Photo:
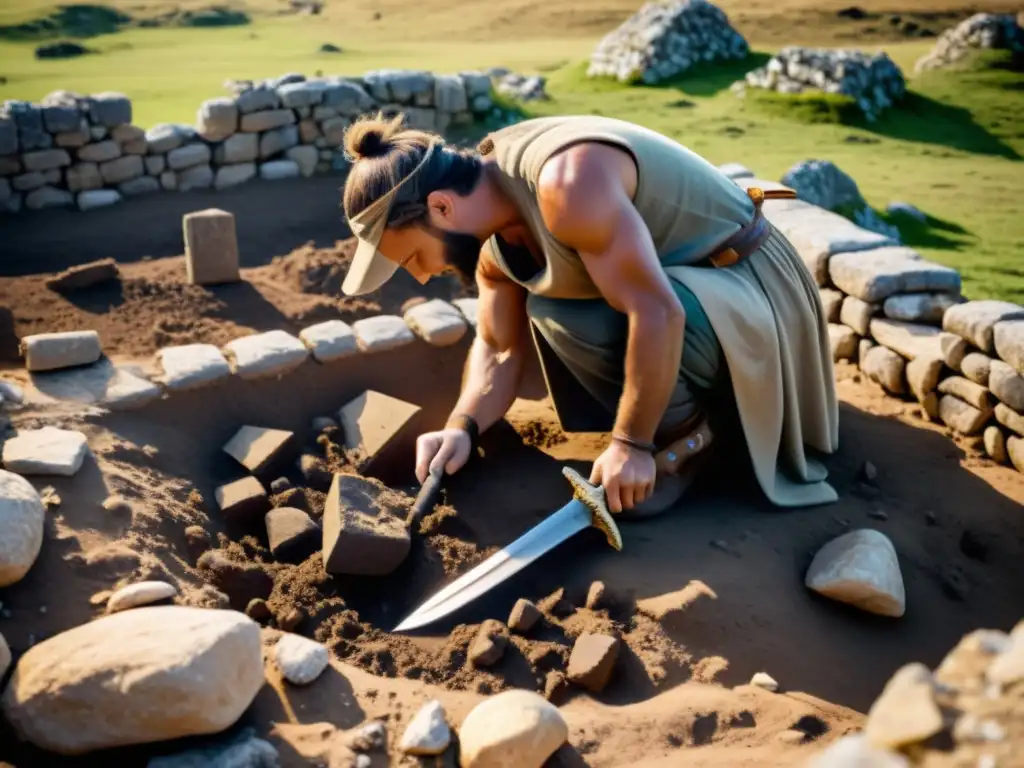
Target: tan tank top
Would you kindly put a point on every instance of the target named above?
(689, 206)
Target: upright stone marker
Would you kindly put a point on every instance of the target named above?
(211, 247)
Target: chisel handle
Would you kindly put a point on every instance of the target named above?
(429, 493)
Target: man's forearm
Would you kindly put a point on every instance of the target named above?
(490, 383)
(653, 354)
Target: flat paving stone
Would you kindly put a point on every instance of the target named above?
(266, 354)
(192, 366)
(382, 332)
(877, 274)
(45, 451)
(329, 341)
(102, 383)
(261, 450)
(373, 421)
(437, 322)
(242, 501)
(53, 351)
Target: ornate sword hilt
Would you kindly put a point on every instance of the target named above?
(593, 497)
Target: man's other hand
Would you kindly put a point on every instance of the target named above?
(627, 475)
(448, 448)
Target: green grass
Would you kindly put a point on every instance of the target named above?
(952, 149)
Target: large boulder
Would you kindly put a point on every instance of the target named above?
(136, 677)
(21, 527)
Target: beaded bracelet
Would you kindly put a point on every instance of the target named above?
(640, 445)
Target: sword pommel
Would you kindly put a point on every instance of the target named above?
(592, 496)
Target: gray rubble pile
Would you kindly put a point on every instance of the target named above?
(874, 81)
(982, 30)
(518, 87)
(83, 150)
(661, 41)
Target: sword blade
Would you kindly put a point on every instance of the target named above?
(542, 538)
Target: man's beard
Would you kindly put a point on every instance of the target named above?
(462, 254)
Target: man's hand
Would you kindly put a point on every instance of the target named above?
(448, 448)
(627, 475)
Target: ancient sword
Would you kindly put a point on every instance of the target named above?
(587, 508)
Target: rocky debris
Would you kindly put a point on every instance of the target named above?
(381, 333)
(489, 644)
(292, 534)
(45, 451)
(437, 322)
(362, 532)
(556, 687)
(140, 593)
(961, 417)
(995, 444)
(906, 711)
(523, 617)
(765, 681)
(843, 342)
(975, 321)
(272, 353)
(242, 501)
(373, 422)
(913, 340)
(84, 276)
(1006, 384)
(22, 515)
(886, 368)
(197, 541)
(592, 661)
(597, 596)
(662, 607)
(242, 750)
(53, 351)
(192, 366)
(659, 42)
(428, 732)
(241, 582)
(521, 87)
(181, 672)
(263, 451)
(514, 727)
(300, 659)
(860, 568)
(982, 30)
(211, 246)
(873, 81)
(329, 341)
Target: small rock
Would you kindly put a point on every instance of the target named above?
(140, 593)
(368, 737)
(661, 607)
(489, 644)
(320, 423)
(280, 485)
(50, 498)
(241, 582)
(523, 617)
(243, 750)
(595, 596)
(878, 514)
(1007, 668)
(117, 505)
(300, 659)
(45, 451)
(976, 367)
(792, 736)
(11, 392)
(860, 568)
(197, 541)
(290, 619)
(84, 276)
(262, 451)
(869, 472)
(592, 661)
(556, 687)
(995, 444)
(243, 501)
(906, 712)
(764, 680)
(856, 752)
(514, 727)
(362, 534)
(372, 422)
(258, 610)
(428, 732)
(971, 728)
(292, 534)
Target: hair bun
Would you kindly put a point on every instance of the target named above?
(371, 136)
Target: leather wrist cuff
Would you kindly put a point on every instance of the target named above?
(468, 423)
(640, 445)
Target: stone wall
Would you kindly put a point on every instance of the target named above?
(903, 321)
(982, 30)
(661, 41)
(873, 81)
(84, 151)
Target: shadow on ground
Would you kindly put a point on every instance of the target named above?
(707, 79)
(930, 233)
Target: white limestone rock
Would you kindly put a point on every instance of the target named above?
(875, 275)
(831, 303)
(428, 732)
(1009, 418)
(886, 368)
(188, 156)
(855, 751)
(280, 169)
(22, 514)
(102, 383)
(915, 339)
(98, 198)
(240, 148)
(45, 451)
(300, 659)
(191, 366)
(976, 367)
(180, 671)
(923, 376)
(266, 354)
(906, 712)
(962, 417)
(233, 175)
(306, 157)
(139, 594)
(919, 307)
(437, 322)
(995, 444)
(765, 681)
(382, 332)
(975, 321)
(330, 340)
(11, 392)
(968, 391)
(843, 342)
(217, 119)
(515, 727)
(240, 750)
(860, 568)
(1006, 384)
(196, 177)
(857, 314)
(1008, 336)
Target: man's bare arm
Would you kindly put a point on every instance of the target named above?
(495, 363)
(585, 196)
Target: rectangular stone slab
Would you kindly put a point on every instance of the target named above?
(372, 421)
(381, 333)
(968, 391)
(975, 321)
(874, 275)
(53, 351)
(102, 383)
(436, 322)
(211, 247)
(191, 366)
(45, 451)
(361, 535)
(266, 354)
(911, 339)
(330, 341)
(1006, 384)
(919, 307)
(243, 501)
(261, 450)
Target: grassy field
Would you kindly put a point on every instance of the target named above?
(953, 149)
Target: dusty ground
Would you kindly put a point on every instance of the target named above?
(953, 516)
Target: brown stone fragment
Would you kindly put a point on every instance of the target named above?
(197, 541)
(362, 534)
(523, 617)
(258, 610)
(596, 596)
(262, 451)
(556, 687)
(211, 247)
(242, 501)
(592, 661)
(292, 534)
(290, 618)
(374, 422)
(84, 276)
(489, 644)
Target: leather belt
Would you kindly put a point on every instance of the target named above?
(750, 237)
